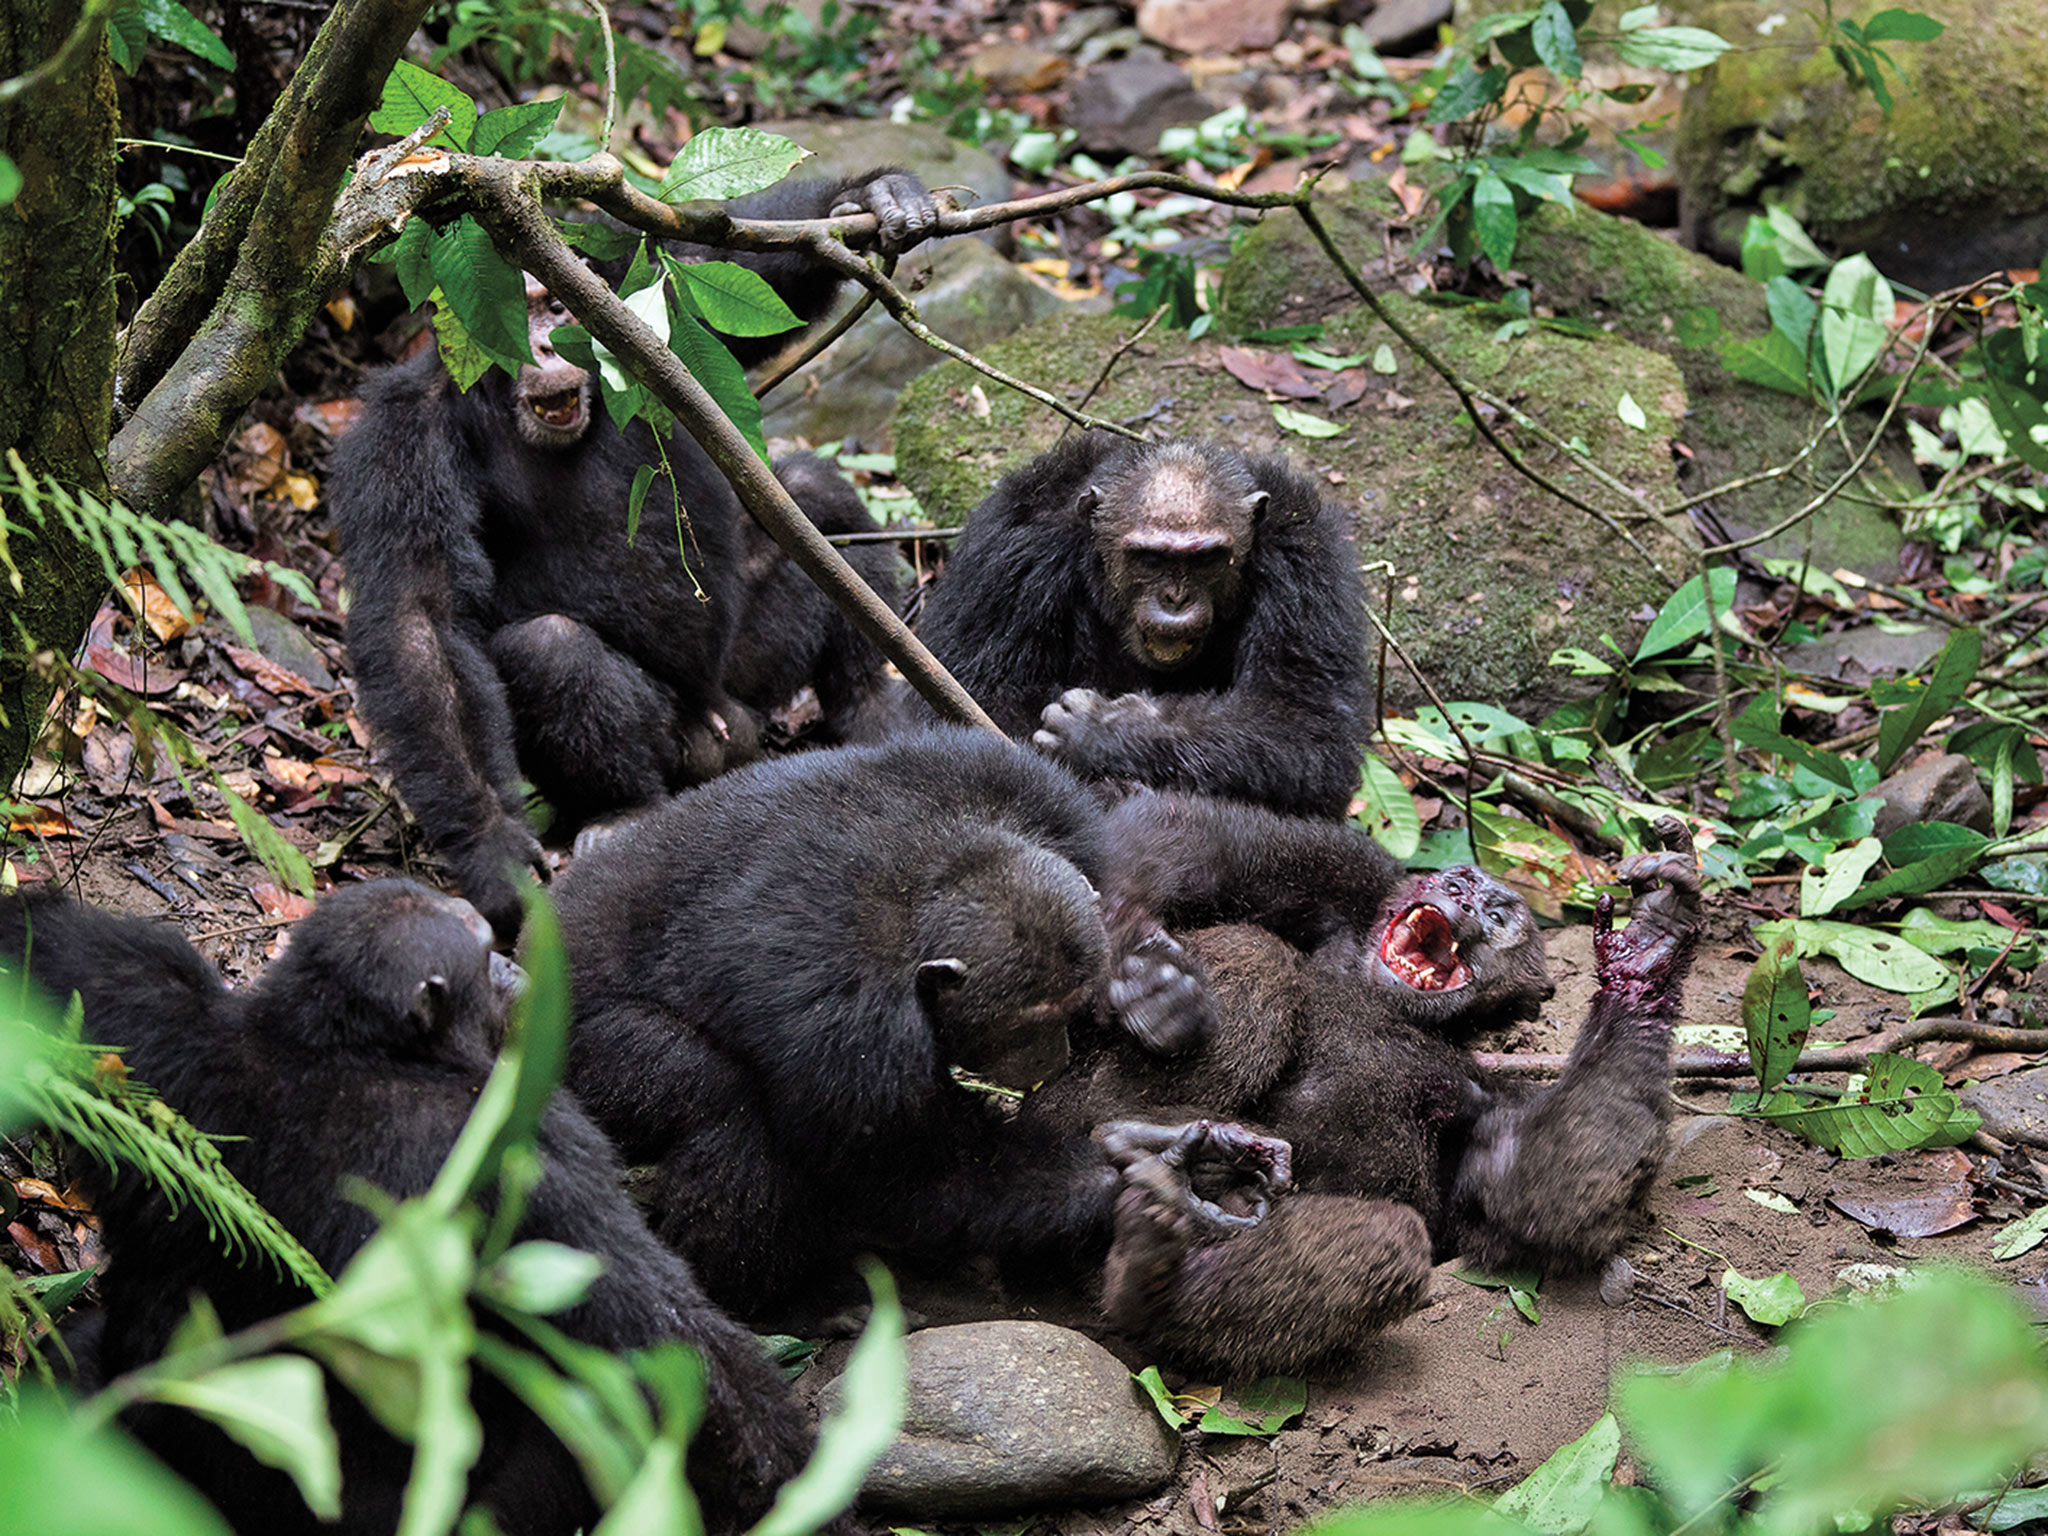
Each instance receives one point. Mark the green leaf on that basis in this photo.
(1494, 220)
(598, 241)
(65, 1478)
(486, 292)
(1302, 424)
(412, 256)
(1825, 886)
(859, 1428)
(1878, 958)
(1792, 311)
(1757, 726)
(276, 1408)
(410, 96)
(1548, 185)
(719, 372)
(1389, 814)
(542, 1277)
(127, 35)
(1155, 1388)
(1265, 1407)
(1772, 1301)
(2015, 389)
(1903, 1105)
(515, 131)
(732, 298)
(1775, 361)
(636, 499)
(1630, 413)
(2022, 1236)
(728, 162)
(1953, 671)
(1673, 48)
(1557, 41)
(1684, 614)
(1855, 320)
(1775, 1012)
(269, 845)
(1466, 92)
(10, 180)
(1979, 938)
(174, 24)
(1903, 27)
(1559, 1498)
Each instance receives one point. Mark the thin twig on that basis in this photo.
(1704, 1062)
(611, 73)
(1457, 730)
(1116, 357)
(817, 344)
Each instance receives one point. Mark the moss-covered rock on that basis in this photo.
(1951, 184)
(1490, 575)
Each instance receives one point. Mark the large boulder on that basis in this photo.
(1490, 574)
(1006, 1416)
(1951, 184)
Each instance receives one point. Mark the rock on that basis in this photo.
(1942, 786)
(1082, 26)
(1214, 26)
(1010, 1415)
(1394, 24)
(2012, 1106)
(1857, 655)
(1122, 108)
(278, 638)
(973, 297)
(1493, 575)
(1952, 183)
(845, 146)
(1011, 67)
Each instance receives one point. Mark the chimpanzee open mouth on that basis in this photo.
(563, 410)
(1420, 951)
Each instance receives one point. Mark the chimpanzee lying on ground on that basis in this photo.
(359, 1054)
(1403, 1149)
(775, 975)
(1173, 613)
(501, 623)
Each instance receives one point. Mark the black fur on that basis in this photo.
(359, 1054)
(1274, 707)
(501, 623)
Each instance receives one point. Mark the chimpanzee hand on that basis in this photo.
(1093, 733)
(1664, 917)
(905, 210)
(1161, 996)
(487, 869)
(1161, 1160)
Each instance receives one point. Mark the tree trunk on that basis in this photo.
(57, 319)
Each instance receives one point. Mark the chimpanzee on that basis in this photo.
(1404, 1149)
(776, 976)
(501, 621)
(1172, 613)
(358, 1055)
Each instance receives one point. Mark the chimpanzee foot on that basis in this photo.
(1161, 1161)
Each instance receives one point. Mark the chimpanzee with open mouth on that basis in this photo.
(1341, 991)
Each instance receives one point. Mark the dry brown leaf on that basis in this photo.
(303, 491)
(154, 604)
(275, 901)
(308, 776)
(261, 458)
(1274, 372)
(211, 831)
(341, 309)
(334, 417)
(267, 674)
(43, 821)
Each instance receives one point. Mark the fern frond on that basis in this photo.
(119, 1122)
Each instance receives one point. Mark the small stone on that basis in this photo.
(1012, 1415)
(1215, 26)
(1010, 67)
(1941, 786)
(1122, 108)
(1392, 24)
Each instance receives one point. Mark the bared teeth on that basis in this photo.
(1420, 950)
(558, 410)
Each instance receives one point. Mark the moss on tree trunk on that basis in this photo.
(56, 337)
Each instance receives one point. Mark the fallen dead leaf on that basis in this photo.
(39, 1253)
(123, 668)
(1997, 1064)
(212, 831)
(267, 674)
(261, 458)
(275, 901)
(334, 417)
(1910, 1215)
(43, 821)
(163, 617)
(314, 775)
(1274, 372)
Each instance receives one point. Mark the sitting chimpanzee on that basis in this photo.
(501, 621)
(358, 1056)
(1172, 613)
(777, 975)
(1404, 1149)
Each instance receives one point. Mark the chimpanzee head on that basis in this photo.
(1173, 526)
(1459, 951)
(552, 397)
(1010, 947)
(390, 965)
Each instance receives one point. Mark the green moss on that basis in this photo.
(1279, 275)
(1490, 575)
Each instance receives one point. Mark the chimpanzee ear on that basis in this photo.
(1086, 503)
(939, 976)
(1256, 503)
(430, 1008)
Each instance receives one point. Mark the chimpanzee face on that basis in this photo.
(1174, 531)
(1458, 945)
(552, 397)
